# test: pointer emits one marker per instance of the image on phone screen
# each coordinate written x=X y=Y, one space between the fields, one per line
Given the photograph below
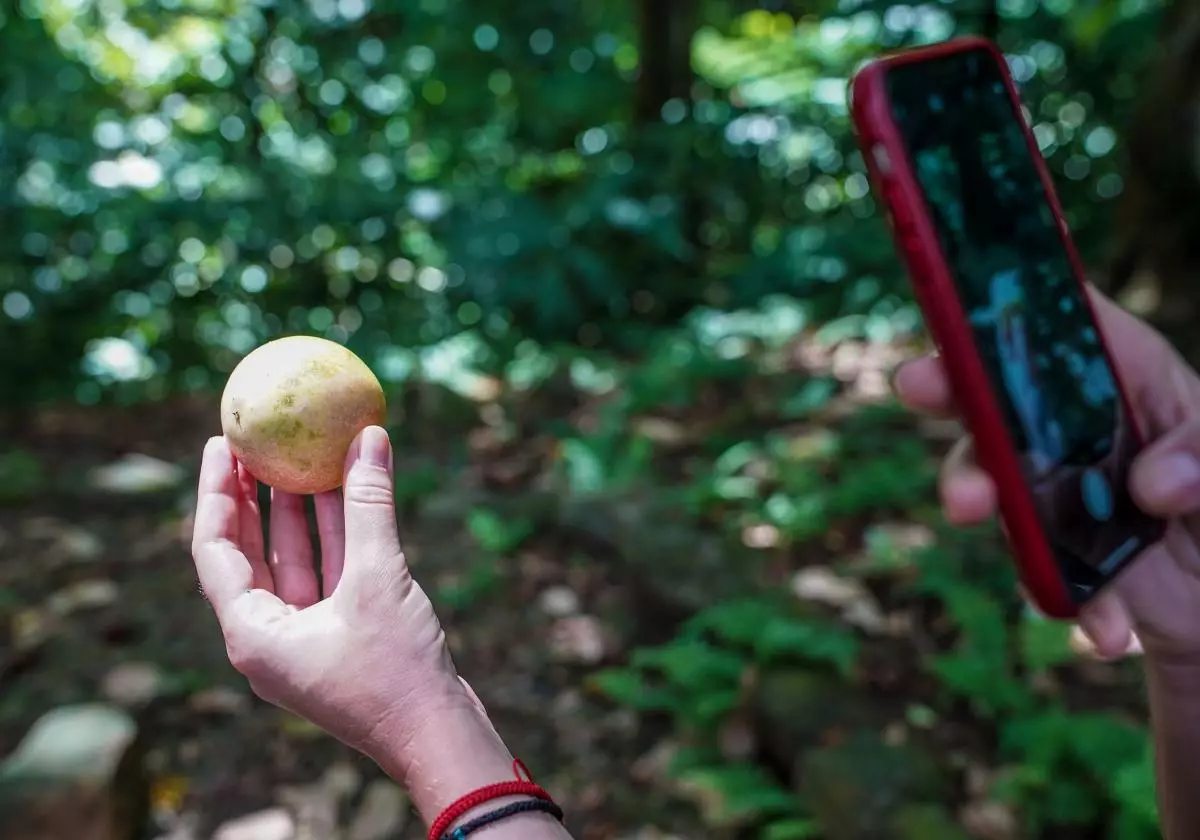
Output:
x=1030 y=319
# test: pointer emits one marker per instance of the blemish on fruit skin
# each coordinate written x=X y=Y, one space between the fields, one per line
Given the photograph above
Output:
x=322 y=368
x=284 y=428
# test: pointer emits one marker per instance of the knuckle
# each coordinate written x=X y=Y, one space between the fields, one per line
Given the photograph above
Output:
x=370 y=494
x=383 y=581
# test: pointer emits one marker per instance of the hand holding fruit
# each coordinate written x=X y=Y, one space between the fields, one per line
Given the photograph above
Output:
x=294 y=642
x=358 y=651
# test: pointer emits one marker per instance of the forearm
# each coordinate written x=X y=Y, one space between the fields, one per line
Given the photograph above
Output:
x=1174 y=704
x=452 y=751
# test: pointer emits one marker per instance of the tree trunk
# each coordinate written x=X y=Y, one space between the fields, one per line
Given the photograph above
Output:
x=1156 y=259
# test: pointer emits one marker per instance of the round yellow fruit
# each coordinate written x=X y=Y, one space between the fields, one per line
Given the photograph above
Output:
x=293 y=406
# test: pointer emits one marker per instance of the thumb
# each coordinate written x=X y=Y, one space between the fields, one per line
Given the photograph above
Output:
x=372 y=538
x=1165 y=477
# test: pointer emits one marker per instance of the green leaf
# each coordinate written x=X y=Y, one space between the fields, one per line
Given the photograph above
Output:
x=711 y=707
x=633 y=462
x=791 y=828
x=483 y=578
x=812 y=397
x=693 y=665
x=417 y=483
x=736 y=458
x=789 y=638
x=987 y=683
x=737 y=622
x=495 y=534
x=738 y=792
x=584 y=467
x=735 y=487
x=1045 y=644
x=1103 y=740
x=628 y=688
x=1133 y=787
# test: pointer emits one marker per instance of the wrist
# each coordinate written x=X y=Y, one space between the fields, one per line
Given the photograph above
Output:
x=1173 y=684
x=440 y=747
x=1177 y=673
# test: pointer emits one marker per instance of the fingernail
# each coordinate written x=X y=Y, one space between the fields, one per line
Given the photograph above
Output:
x=1177 y=473
x=376 y=448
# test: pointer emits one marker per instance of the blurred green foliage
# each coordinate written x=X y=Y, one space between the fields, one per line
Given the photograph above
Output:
x=650 y=200
x=187 y=178
x=1061 y=768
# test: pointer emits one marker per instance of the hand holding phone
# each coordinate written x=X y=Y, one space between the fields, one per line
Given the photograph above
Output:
x=975 y=217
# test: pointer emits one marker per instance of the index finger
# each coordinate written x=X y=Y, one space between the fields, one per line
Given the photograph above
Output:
x=222 y=566
x=922 y=385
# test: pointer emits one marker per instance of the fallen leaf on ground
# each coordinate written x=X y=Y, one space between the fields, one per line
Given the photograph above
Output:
x=270 y=824
x=559 y=602
x=133 y=684
x=136 y=473
x=84 y=595
x=580 y=639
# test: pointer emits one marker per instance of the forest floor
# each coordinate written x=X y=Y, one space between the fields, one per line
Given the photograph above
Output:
x=99 y=602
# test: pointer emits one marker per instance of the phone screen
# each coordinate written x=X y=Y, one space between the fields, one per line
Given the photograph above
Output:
x=1027 y=309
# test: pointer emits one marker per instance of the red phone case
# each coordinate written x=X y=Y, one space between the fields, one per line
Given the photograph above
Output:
x=894 y=181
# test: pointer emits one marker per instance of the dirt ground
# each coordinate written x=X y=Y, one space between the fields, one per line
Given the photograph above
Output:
x=101 y=603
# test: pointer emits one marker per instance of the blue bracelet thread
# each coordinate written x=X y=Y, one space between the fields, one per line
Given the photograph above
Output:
x=503 y=813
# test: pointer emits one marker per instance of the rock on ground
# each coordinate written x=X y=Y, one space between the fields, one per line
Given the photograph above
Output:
x=77 y=775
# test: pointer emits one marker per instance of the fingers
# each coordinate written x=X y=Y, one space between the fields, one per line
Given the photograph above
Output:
x=1105 y=629
x=291 y=555
x=224 y=570
x=250 y=522
x=331 y=525
x=373 y=554
x=968 y=494
x=921 y=384
x=1165 y=477
x=1082 y=644
x=1141 y=353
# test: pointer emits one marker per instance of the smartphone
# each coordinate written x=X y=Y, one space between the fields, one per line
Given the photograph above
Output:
x=974 y=215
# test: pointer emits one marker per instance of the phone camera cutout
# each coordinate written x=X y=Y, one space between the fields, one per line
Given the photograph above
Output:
x=1097 y=495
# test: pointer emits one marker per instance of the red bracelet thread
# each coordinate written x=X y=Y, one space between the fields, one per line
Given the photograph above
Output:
x=523 y=786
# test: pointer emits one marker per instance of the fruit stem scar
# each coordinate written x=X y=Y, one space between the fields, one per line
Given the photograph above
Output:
x=237 y=416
